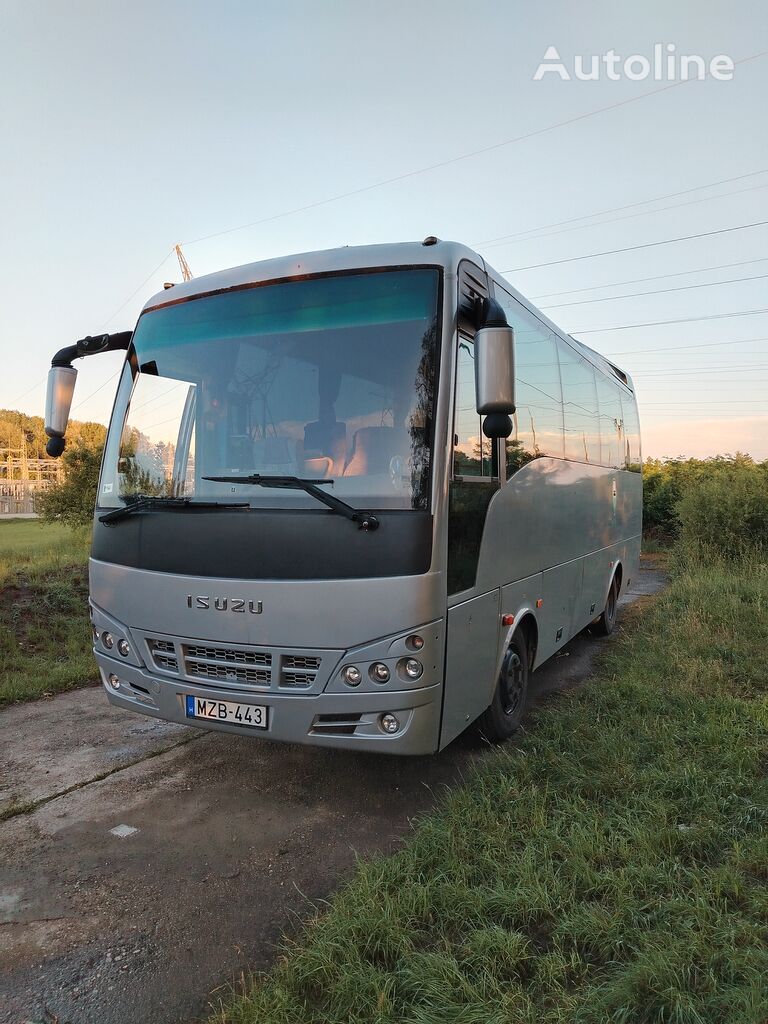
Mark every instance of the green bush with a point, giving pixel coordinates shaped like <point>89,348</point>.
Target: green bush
<point>726,515</point>
<point>71,502</point>
<point>673,488</point>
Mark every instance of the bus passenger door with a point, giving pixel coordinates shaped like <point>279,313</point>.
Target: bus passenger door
<point>473,620</point>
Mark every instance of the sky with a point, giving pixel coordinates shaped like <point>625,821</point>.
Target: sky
<point>126,128</point>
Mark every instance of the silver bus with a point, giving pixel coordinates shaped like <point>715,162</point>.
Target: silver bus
<point>353,498</point>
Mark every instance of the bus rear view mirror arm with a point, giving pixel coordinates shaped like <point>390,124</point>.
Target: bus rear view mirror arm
<point>61,383</point>
<point>495,370</point>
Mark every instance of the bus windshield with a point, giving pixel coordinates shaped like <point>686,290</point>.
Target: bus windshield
<point>328,378</point>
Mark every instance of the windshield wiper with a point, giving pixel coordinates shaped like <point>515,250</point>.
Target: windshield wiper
<point>366,520</point>
<point>143,502</point>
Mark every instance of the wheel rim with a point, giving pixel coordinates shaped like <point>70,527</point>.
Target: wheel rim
<point>513,683</point>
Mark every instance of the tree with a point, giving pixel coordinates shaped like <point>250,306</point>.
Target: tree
<point>72,501</point>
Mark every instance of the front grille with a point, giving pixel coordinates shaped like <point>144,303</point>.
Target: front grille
<point>238,666</point>
<point>301,661</point>
<point>229,673</point>
<point>297,679</point>
<point>229,654</point>
<point>169,664</point>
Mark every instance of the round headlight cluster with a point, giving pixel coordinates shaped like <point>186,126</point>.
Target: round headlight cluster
<point>379,672</point>
<point>410,668</point>
<point>124,647</point>
<point>108,640</point>
<point>351,675</point>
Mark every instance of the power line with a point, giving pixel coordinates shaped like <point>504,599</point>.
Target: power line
<point>656,291</point>
<point>29,390</point>
<point>456,159</point>
<point>98,389</point>
<point>628,206</point>
<point>658,323</point>
<point>632,248</point>
<point>512,240</point>
<point>137,290</point>
<point>682,348</point>
<point>642,280</point>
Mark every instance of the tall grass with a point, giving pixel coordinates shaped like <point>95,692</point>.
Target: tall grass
<point>611,867</point>
<point>44,629</point>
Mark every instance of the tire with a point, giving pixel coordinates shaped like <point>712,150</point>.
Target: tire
<point>606,623</point>
<point>502,719</point>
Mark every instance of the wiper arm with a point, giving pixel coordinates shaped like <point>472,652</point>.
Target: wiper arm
<point>143,502</point>
<point>366,520</point>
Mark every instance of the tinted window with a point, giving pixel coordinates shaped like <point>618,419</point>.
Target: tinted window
<point>632,431</point>
<point>582,428</point>
<point>472,449</point>
<point>331,378</point>
<point>611,425</point>
<point>538,419</point>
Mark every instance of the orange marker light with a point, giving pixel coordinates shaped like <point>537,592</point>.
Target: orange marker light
<point>539,603</point>
<point>507,620</point>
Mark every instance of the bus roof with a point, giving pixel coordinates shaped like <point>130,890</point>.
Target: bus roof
<point>430,252</point>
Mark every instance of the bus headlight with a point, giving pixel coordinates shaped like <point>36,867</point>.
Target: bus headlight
<point>108,640</point>
<point>411,668</point>
<point>379,672</point>
<point>414,642</point>
<point>124,647</point>
<point>351,675</point>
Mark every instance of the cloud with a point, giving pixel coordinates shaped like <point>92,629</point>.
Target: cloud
<point>702,438</point>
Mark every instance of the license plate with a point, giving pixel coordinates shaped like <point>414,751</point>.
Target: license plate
<point>252,715</point>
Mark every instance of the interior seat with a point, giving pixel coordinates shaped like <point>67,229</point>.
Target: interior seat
<point>372,451</point>
<point>324,449</point>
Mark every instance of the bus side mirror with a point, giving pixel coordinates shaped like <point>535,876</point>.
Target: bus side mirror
<point>58,400</point>
<point>495,373</point>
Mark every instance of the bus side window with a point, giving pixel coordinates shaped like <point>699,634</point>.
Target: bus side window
<point>611,423</point>
<point>633,458</point>
<point>580,414</point>
<point>472,450</point>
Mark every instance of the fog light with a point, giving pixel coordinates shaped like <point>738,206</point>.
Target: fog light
<point>413,668</point>
<point>414,642</point>
<point>389,723</point>
<point>379,672</point>
<point>108,640</point>
<point>114,681</point>
<point>352,675</point>
<point>124,647</point>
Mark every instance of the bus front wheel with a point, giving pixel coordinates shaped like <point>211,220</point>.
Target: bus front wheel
<point>607,621</point>
<point>502,719</point>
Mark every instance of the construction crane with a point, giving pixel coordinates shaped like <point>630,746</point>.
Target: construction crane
<point>186,273</point>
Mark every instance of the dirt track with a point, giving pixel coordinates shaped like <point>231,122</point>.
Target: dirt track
<point>234,837</point>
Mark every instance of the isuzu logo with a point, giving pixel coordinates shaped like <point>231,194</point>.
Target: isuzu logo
<point>224,604</point>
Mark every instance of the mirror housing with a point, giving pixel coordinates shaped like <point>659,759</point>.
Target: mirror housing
<point>58,401</point>
<point>61,383</point>
<point>495,370</point>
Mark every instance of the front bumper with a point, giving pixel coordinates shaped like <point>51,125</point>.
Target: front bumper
<point>346,720</point>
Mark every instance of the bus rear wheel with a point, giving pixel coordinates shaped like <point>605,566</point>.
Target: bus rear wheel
<point>606,624</point>
<point>502,719</point>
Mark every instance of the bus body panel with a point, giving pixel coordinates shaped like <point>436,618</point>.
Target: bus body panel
<point>471,659</point>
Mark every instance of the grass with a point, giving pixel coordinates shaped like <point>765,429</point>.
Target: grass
<point>44,631</point>
<point>609,867</point>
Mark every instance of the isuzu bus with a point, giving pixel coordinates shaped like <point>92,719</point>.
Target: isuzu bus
<point>353,498</point>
